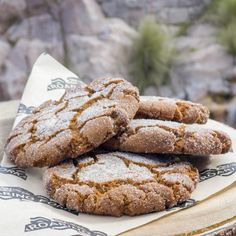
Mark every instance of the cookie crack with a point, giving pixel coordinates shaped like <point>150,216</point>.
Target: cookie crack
<point>117,81</point>
<point>176,188</point>
<point>62,108</point>
<point>101,187</point>
<point>72,126</point>
<point>89,196</point>
<point>33,139</point>
<point>132,94</point>
<point>154,168</point>
<point>128,162</point>
<point>125,91</point>
<point>106,186</point>
<point>225,142</point>
<point>167,203</point>
<point>82,198</point>
<point>201,113</point>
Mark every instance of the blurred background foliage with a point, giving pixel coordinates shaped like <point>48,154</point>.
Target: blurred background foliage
<point>223,14</point>
<point>151,55</point>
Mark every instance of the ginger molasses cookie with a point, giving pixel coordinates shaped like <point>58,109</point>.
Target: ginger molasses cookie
<point>155,136</point>
<point>163,108</point>
<point>76,124</point>
<point>120,183</point>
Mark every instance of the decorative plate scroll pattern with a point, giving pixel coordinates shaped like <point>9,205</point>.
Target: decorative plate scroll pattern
<point>23,109</point>
<point>190,202</point>
<point>16,171</point>
<point>60,83</point>
<point>10,193</point>
<point>221,170</point>
<point>39,223</point>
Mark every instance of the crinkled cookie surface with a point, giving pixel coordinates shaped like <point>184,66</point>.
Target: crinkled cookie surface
<point>79,122</point>
<point>120,183</point>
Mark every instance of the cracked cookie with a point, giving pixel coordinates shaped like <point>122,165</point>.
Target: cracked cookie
<point>77,123</point>
<point>155,136</point>
<point>163,108</point>
<point>120,183</point>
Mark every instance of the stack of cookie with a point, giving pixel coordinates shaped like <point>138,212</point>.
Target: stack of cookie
<point>88,140</point>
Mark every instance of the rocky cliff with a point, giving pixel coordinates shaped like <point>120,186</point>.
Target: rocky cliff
<point>93,38</point>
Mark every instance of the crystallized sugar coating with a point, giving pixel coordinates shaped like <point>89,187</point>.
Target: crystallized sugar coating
<point>111,168</point>
<point>81,120</point>
<point>156,136</point>
<point>120,183</point>
<point>150,160</point>
<point>163,108</point>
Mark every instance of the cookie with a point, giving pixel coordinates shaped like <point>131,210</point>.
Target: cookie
<point>155,136</point>
<point>120,183</point>
<point>77,123</point>
<point>162,108</point>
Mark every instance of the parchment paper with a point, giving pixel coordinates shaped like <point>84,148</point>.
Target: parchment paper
<point>26,210</point>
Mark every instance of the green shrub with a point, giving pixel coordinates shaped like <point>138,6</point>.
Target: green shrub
<point>226,14</point>
<point>183,28</point>
<point>227,37</point>
<point>225,11</point>
<point>151,55</point>
<point>220,11</point>
<point>210,13</point>
<point>223,14</point>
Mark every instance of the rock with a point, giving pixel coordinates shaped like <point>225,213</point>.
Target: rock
<point>218,111</point>
<point>89,61</point>
<point>202,30</point>
<point>178,12</point>
<point>3,95</point>
<point>190,3</point>
<point>42,27</point>
<point>11,9</point>
<point>213,57</point>
<point>45,28</point>
<point>197,88</point>
<point>163,91</point>
<point>13,81</point>
<point>4,49</point>
<point>36,7</point>
<point>231,114</point>
<point>19,63</point>
<point>25,52</point>
<point>231,75</point>
<point>90,44</point>
<point>201,71</point>
<point>81,17</point>
<point>3,28</point>
<point>219,86</point>
<point>201,65</point>
<point>130,11</point>
<point>150,91</point>
<point>173,16</point>
<point>37,47</point>
<point>224,112</point>
<point>18,31</point>
<point>102,50</point>
<point>116,32</point>
<point>17,56</point>
<point>40,7</point>
<point>95,57</point>
<point>166,11</point>
<point>186,44</point>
